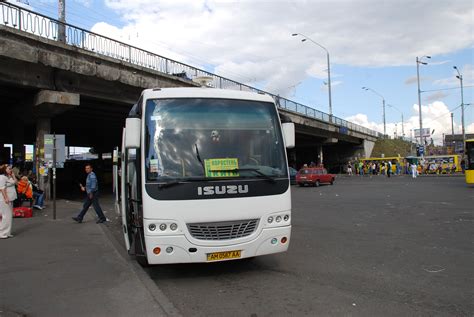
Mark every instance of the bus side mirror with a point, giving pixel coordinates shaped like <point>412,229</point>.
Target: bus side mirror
<point>289,134</point>
<point>132,133</point>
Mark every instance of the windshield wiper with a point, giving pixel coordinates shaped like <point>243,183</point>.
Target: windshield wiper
<point>169,184</point>
<point>255,170</point>
<point>199,157</point>
<point>183,181</point>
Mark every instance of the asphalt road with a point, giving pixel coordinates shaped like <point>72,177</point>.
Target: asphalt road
<point>363,247</point>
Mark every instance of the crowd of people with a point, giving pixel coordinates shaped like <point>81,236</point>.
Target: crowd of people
<point>389,168</point>
<point>16,188</point>
<point>373,168</point>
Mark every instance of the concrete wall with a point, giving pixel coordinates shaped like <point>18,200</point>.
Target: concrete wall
<point>29,60</point>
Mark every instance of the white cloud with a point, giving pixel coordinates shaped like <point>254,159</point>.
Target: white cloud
<point>435,116</point>
<point>411,80</point>
<point>436,96</point>
<point>251,41</point>
<point>470,128</point>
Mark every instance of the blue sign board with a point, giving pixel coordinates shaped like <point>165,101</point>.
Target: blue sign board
<point>421,150</point>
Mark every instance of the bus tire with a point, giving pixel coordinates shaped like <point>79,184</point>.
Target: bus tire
<point>142,260</point>
<point>317,183</point>
<point>332,181</point>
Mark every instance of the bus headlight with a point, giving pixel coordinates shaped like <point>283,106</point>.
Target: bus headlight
<point>173,226</point>
<point>152,227</point>
<point>163,227</point>
<point>278,219</point>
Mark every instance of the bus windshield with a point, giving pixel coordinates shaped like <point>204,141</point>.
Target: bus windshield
<point>205,139</point>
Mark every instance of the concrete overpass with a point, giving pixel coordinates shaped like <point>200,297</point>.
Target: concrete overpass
<point>84,87</point>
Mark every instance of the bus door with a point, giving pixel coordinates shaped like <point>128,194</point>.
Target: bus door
<point>123,200</point>
<point>132,218</point>
<point>115,175</point>
<point>469,162</point>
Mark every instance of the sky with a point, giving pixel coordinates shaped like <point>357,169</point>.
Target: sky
<point>371,43</point>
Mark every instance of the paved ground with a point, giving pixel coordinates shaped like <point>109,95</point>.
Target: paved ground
<point>363,247</point>
<point>61,268</point>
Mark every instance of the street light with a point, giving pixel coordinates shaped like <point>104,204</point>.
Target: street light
<point>459,76</point>
<point>418,62</point>
<point>392,106</point>
<point>329,68</point>
<point>383,108</point>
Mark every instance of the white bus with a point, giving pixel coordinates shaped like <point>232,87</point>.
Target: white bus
<point>205,176</point>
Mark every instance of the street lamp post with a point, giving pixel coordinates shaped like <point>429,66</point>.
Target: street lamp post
<point>452,126</point>
<point>459,76</point>
<point>329,68</point>
<point>403,129</point>
<point>383,108</point>
<point>418,62</point>
<point>62,20</point>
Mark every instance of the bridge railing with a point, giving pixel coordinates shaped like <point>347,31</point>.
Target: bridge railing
<point>44,26</point>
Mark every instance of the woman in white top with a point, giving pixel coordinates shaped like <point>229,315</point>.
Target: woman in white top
<point>7,196</point>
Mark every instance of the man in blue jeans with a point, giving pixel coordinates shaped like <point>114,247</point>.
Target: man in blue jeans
<point>92,198</point>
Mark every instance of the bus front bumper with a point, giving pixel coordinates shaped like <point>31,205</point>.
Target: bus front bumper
<point>178,249</point>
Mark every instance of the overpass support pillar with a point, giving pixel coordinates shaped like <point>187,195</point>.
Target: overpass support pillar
<point>320,155</point>
<point>43,126</point>
<point>368,147</point>
<point>47,104</point>
<point>18,145</point>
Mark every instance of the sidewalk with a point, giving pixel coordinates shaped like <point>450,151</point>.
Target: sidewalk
<point>62,268</point>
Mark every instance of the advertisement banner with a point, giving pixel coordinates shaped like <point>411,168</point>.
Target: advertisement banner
<point>60,149</point>
<point>426,133</point>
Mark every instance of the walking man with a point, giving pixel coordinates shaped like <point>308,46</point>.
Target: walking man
<point>92,197</point>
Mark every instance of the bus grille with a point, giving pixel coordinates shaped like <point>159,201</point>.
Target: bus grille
<point>223,230</point>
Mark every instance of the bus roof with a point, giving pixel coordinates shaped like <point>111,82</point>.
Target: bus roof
<point>203,92</point>
<point>381,158</point>
<point>446,155</point>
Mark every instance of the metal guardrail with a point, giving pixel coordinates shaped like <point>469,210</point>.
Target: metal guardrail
<point>43,26</point>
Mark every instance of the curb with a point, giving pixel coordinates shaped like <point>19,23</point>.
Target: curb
<point>160,298</point>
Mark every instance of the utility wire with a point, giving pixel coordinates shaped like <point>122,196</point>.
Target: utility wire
<point>446,88</point>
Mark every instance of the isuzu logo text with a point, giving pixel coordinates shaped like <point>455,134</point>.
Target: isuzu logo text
<point>222,190</point>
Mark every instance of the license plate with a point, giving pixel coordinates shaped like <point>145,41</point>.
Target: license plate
<point>217,256</point>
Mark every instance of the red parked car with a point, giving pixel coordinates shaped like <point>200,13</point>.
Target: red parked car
<point>314,176</point>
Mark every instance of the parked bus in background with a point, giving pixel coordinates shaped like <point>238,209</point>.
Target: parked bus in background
<point>469,162</point>
<point>396,160</point>
<point>441,164</point>
<point>205,176</point>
